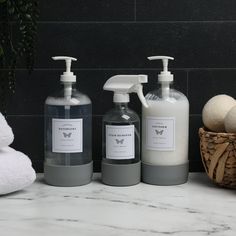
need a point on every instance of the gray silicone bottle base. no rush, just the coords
(121, 175)
(68, 176)
(165, 175)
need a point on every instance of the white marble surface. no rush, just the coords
(195, 208)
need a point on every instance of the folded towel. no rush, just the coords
(6, 134)
(16, 171)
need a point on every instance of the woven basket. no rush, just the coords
(218, 151)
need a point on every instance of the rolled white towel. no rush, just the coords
(6, 134)
(16, 171)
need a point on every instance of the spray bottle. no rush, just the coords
(165, 132)
(68, 130)
(121, 132)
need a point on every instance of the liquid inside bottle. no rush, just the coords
(165, 128)
(121, 135)
(68, 130)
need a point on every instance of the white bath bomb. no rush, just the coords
(215, 110)
(6, 134)
(230, 120)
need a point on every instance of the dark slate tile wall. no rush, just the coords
(112, 37)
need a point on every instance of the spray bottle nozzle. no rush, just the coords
(67, 76)
(122, 85)
(165, 75)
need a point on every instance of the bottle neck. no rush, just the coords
(165, 89)
(72, 84)
(121, 105)
(68, 87)
(119, 97)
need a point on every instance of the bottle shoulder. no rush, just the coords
(77, 98)
(121, 115)
(173, 96)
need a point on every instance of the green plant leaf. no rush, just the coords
(28, 16)
(11, 10)
(18, 44)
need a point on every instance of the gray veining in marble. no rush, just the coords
(196, 208)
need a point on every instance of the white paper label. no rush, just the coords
(125, 117)
(67, 135)
(160, 133)
(120, 142)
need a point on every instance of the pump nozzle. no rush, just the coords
(122, 85)
(67, 76)
(165, 75)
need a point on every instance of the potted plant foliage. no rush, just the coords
(18, 30)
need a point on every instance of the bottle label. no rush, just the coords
(160, 133)
(67, 135)
(120, 142)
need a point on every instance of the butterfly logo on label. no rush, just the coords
(159, 132)
(119, 141)
(67, 135)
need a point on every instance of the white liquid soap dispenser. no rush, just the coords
(121, 164)
(165, 129)
(68, 133)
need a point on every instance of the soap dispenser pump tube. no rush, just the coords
(67, 94)
(165, 88)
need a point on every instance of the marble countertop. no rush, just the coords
(195, 208)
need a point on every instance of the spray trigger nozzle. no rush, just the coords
(122, 85)
(165, 75)
(67, 76)
(138, 88)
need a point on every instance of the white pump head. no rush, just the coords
(67, 76)
(122, 85)
(165, 75)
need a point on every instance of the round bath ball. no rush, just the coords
(230, 121)
(215, 110)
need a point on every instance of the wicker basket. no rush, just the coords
(218, 151)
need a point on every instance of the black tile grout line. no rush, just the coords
(135, 10)
(23, 115)
(128, 69)
(42, 115)
(93, 115)
(187, 83)
(42, 160)
(139, 22)
(128, 21)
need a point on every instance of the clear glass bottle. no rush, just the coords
(165, 128)
(121, 164)
(68, 133)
